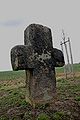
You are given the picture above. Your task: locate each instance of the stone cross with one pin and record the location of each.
(39, 59)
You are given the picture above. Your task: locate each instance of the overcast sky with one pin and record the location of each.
(16, 15)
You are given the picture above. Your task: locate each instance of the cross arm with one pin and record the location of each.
(20, 57)
(57, 57)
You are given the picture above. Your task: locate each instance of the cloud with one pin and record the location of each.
(11, 23)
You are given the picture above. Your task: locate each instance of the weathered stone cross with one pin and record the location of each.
(39, 59)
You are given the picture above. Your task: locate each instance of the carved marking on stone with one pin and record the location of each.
(16, 62)
(46, 95)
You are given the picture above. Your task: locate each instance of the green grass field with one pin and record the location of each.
(14, 107)
(76, 68)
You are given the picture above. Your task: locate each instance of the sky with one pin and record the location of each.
(16, 15)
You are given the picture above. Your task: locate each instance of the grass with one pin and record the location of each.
(11, 75)
(76, 68)
(43, 116)
(12, 88)
(14, 107)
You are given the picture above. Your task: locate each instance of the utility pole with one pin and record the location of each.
(65, 72)
(64, 42)
(71, 56)
(68, 69)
